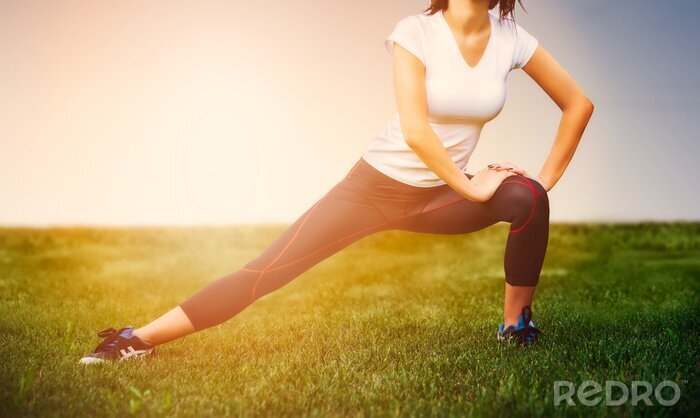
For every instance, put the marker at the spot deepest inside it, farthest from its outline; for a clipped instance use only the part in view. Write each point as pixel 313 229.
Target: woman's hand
pixel 507 166
pixel 487 181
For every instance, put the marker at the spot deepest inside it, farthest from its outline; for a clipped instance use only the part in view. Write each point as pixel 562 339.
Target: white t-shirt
pixel 461 99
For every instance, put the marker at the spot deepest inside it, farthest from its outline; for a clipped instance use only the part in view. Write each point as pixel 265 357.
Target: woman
pixel 450 65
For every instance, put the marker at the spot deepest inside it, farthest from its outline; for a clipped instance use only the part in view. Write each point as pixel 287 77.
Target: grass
pixel 398 323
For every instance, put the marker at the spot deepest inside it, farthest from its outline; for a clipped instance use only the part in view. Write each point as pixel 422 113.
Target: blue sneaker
pixel 522 334
pixel 118 345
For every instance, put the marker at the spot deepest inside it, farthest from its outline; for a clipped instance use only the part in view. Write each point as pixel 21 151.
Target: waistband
pixel 366 171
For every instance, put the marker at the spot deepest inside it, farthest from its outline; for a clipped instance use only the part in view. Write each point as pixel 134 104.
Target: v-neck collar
pixel 455 44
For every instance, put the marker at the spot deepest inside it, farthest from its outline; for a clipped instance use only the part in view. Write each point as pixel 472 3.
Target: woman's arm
pixel 412 106
pixel 576 108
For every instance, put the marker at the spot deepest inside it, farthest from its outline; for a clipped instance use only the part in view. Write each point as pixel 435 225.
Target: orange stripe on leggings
pixel 296 233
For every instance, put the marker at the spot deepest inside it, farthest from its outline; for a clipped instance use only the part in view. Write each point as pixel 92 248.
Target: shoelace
pixel 112 338
pixel 528 333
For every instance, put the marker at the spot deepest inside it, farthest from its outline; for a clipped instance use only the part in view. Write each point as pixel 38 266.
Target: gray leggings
pixel 366 201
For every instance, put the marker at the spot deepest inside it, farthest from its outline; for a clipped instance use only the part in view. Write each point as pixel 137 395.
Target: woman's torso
pixel 461 98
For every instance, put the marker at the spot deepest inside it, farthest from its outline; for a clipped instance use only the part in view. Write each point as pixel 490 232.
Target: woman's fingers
pixel 507 166
pixel 500 167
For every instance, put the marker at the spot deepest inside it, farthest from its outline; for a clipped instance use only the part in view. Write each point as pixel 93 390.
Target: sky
pixel 228 112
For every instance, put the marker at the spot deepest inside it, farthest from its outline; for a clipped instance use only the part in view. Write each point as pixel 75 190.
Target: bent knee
pixel 523 196
pixel 518 194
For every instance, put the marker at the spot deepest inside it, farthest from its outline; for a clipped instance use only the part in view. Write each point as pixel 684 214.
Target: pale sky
pixel 232 112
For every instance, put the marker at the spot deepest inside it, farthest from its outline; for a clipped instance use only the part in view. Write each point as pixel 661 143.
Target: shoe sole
pixel 126 355
pixel 501 338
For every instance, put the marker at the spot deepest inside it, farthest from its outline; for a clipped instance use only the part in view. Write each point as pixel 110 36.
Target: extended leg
pixel 338 219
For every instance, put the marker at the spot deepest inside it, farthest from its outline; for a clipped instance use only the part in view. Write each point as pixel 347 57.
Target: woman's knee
pixel 525 198
pixel 519 197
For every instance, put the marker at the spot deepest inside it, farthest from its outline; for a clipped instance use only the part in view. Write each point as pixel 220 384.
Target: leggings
pixel 366 201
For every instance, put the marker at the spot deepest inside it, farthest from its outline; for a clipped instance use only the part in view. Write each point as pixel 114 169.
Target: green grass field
pixel 398 323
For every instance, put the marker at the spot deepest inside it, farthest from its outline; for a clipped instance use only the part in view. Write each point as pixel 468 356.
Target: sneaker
pixel 522 334
pixel 118 345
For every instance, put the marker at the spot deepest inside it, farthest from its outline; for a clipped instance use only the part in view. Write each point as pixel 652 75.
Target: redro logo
pixel 589 393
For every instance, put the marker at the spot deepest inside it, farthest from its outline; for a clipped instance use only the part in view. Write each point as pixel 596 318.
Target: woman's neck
pixel 468 16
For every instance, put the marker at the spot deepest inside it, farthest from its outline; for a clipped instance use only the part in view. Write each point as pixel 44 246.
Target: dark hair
pixel 506 7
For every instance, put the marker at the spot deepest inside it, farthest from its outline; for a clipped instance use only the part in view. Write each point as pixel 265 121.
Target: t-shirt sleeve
pixel 408 34
pixel 525 45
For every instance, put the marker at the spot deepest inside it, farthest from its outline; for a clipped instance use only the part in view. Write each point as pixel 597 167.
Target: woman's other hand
pixel 487 181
